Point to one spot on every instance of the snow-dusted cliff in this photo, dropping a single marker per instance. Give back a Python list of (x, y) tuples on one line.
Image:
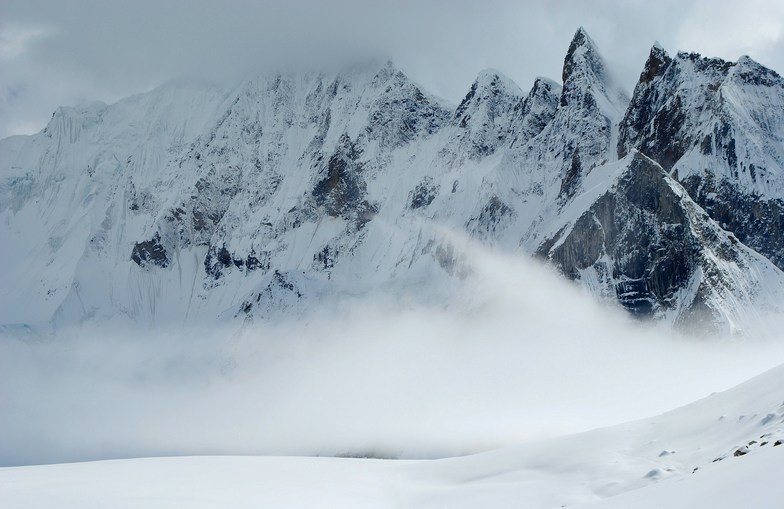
[(191, 203), (718, 128)]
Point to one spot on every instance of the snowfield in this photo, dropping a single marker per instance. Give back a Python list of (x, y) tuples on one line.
[(719, 452)]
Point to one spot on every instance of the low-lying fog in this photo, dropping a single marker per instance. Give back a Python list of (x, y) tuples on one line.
[(516, 354)]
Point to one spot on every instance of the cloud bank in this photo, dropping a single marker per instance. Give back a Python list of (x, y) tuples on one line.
[(56, 53), (516, 354)]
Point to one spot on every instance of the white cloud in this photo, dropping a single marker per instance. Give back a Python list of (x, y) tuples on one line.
[(518, 354), (729, 29)]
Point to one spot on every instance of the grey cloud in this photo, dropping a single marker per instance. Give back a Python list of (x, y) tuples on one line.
[(86, 50)]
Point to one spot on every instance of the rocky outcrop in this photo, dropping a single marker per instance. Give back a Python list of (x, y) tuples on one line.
[(341, 190), (718, 127), (578, 136), (483, 120), (534, 112), (150, 252), (647, 244)]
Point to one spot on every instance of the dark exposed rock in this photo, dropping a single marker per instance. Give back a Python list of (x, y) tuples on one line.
[(485, 117), (657, 122), (342, 190), (423, 194), (218, 260), (493, 216), (580, 40), (753, 73), (658, 60), (582, 60), (757, 222), (637, 237), (571, 180), (223, 256), (535, 111), (150, 252), (262, 262), (402, 113), (680, 107), (325, 259), (461, 109), (280, 292)]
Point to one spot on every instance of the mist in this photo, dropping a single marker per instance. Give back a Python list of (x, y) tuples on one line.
[(54, 53), (516, 353)]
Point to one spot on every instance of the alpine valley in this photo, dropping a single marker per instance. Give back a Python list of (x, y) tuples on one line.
[(194, 203)]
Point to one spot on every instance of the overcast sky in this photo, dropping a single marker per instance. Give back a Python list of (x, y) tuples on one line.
[(62, 53)]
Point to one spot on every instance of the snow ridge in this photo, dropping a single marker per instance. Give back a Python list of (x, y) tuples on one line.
[(193, 203)]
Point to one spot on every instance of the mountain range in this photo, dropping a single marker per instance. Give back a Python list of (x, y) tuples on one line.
[(195, 202)]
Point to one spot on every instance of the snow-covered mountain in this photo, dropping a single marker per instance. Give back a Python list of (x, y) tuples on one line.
[(718, 128), (193, 203)]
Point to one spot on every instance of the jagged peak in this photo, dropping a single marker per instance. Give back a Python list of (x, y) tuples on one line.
[(716, 69), (745, 62), (397, 78), (582, 51), (489, 82), (544, 85), (749, 71), (658, 51), (657, 62), (585, 72), (494, 79), (386, 67), (544, 90), (705, 64), (68, 118), (581, 37)]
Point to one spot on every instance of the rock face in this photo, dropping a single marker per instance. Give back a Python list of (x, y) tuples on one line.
[(646, 243), (194, 203), (718, 127), (533, 113), (483, 119), (578, 138)]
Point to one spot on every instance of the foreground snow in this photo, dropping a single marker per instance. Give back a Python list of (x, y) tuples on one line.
[(717, 452)]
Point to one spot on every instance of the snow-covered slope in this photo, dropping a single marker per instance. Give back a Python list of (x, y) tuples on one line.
[(722, 451), (191, 204)]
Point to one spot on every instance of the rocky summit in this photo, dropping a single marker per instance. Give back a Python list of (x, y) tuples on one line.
[(193, 203)]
